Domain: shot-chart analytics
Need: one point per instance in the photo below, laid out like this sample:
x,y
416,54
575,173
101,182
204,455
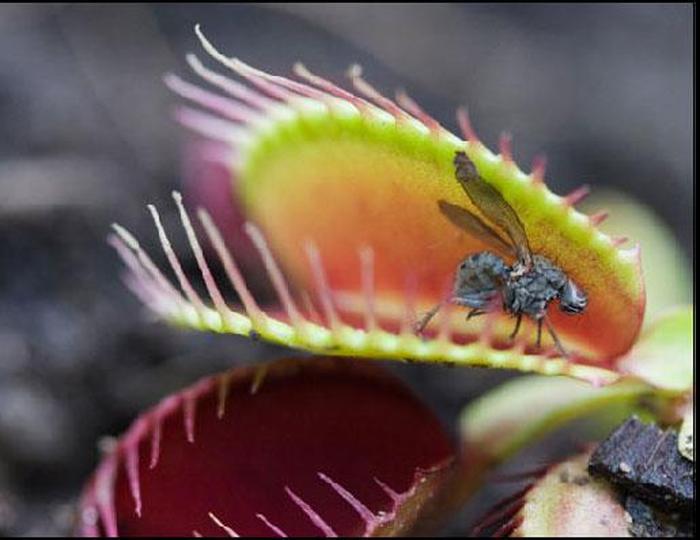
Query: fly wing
x,y
492,204
473,225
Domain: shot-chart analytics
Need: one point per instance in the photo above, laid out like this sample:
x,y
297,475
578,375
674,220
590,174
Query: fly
x,y
482,280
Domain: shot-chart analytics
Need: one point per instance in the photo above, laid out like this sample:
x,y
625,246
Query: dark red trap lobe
x,y
310,447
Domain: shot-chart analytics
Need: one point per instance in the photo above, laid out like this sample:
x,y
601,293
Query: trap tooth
x,y
104,497
360,104
408,307
505,146
312,313
158,280
189,415
407,103
175,265
235,89
223,384
283,82
598,218
218,153
89,517
155,441
398,498
228,108
131,463
323,290
360,508
227,529
443,319
538,169
231,268
210,127
274,528
465,125
258,379
239,67
137,280
366,256
275,275
633,253
577,195
371,93
617,241
313,516
211,286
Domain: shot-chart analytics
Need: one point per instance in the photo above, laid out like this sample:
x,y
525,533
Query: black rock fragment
x,y
648,522
645,462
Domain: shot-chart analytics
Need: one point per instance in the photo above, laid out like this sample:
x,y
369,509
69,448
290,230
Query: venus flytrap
x,y
340,191
267,451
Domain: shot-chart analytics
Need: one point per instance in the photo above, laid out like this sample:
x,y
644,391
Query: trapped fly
x,y
484,280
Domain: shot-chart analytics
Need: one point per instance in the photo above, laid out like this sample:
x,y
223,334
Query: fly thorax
x,y
518,270
531,292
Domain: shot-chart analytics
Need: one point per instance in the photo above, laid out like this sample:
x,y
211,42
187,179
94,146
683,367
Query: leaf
x,y
345,190
663,357
302,447
519,412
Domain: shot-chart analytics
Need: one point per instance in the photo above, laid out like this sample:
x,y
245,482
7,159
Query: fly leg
x,y
475,312
489,306
552,333
539,333
517,327
423,322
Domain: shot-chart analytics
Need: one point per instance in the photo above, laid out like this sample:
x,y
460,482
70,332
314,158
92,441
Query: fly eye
x,y
573,299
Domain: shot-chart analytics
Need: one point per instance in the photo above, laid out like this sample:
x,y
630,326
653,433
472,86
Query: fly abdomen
x,y
479,280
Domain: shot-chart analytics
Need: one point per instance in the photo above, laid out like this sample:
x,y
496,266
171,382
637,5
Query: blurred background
x,y
87,138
